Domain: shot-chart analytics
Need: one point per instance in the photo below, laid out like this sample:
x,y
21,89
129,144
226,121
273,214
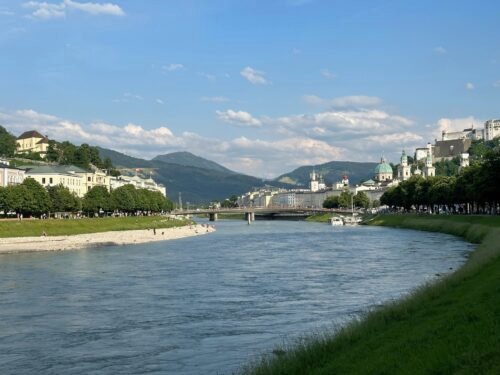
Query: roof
x,y
43,140
7,166
31,134
383,168
55,169
368,182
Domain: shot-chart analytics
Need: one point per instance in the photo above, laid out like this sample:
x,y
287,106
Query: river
x,y
207,304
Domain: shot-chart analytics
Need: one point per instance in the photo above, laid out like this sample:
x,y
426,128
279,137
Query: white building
x,y
10,175
404,170
138,182
429,169
491,129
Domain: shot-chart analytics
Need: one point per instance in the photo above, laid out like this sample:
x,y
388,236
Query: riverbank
x,y
57,235
64,227
451,326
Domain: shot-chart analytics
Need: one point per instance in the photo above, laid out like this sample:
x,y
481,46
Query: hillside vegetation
x,y
331,171
450,327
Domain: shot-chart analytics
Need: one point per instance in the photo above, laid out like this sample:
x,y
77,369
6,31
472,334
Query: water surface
x,y
207,304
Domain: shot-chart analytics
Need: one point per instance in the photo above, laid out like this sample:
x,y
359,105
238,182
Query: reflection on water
x,y
206,304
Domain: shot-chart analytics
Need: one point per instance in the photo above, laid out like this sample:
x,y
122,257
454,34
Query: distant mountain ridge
x,y
331,172
190,160
200,180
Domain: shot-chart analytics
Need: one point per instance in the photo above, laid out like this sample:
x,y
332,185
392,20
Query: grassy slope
x,y
26,228
320,218
449,327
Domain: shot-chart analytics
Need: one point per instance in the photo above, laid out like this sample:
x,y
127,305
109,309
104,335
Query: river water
x,y
203,305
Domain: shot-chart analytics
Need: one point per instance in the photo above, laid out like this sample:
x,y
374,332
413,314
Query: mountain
x,y
122,160
200,182
189,160
331,171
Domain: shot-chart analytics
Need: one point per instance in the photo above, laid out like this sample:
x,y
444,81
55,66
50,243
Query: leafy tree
x,y
124,199
96,199
361,200
345,199
36,199
7,143
62,200
331,202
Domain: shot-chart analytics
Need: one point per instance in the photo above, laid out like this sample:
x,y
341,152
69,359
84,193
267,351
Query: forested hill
x,y
331,171
190,160
199,180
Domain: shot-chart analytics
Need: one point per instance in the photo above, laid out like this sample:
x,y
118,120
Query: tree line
x,y
475,189
31,198
346,199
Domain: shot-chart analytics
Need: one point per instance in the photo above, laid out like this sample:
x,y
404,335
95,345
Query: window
x,y
88,179
50,180
43,180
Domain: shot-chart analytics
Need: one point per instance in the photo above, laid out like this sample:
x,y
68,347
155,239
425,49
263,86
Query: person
x,y
154,231
44,234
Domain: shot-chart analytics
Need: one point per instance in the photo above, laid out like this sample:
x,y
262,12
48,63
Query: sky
x,y
261,87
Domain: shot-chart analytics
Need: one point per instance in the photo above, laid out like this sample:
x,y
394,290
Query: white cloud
x,y
253,76
46,11
8,13
240,118
208,76
214,99
159,101
469,86
440,50
362,101
328,74
96,8
172,67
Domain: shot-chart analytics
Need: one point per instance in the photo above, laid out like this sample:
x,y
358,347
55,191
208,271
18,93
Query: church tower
x,y
404,170
429,170
314,183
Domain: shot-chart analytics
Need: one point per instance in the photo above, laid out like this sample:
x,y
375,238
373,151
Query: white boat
x,y
336,221
352,220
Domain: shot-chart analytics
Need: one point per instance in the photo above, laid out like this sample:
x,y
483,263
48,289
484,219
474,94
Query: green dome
x,y
383,168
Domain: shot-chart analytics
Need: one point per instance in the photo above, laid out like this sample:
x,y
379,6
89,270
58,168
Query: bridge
x,y
251,212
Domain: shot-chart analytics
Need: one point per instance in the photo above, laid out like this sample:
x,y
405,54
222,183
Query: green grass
x,y
450,327
320,218
59,227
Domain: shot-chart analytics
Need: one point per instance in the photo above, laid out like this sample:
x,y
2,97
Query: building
x,y
68,176
32,142
491,129
137,182
464,161
449,149
429,169
423,152
94,178
10,175
470,133
383,171
404,170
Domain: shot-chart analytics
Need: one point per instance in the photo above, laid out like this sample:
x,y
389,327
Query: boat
x,y
336,221
352,220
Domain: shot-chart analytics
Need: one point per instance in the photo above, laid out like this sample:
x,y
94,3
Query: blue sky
x,y
259,86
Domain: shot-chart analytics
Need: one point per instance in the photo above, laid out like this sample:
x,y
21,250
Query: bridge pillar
x,y
213,216
249,216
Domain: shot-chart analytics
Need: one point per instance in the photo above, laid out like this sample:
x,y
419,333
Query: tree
x,y
36,198
361,200
62,200
124,198
96,199
345,199
8,143
331,202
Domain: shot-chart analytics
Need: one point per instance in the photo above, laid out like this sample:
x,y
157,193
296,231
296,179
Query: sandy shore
x,y
79,241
